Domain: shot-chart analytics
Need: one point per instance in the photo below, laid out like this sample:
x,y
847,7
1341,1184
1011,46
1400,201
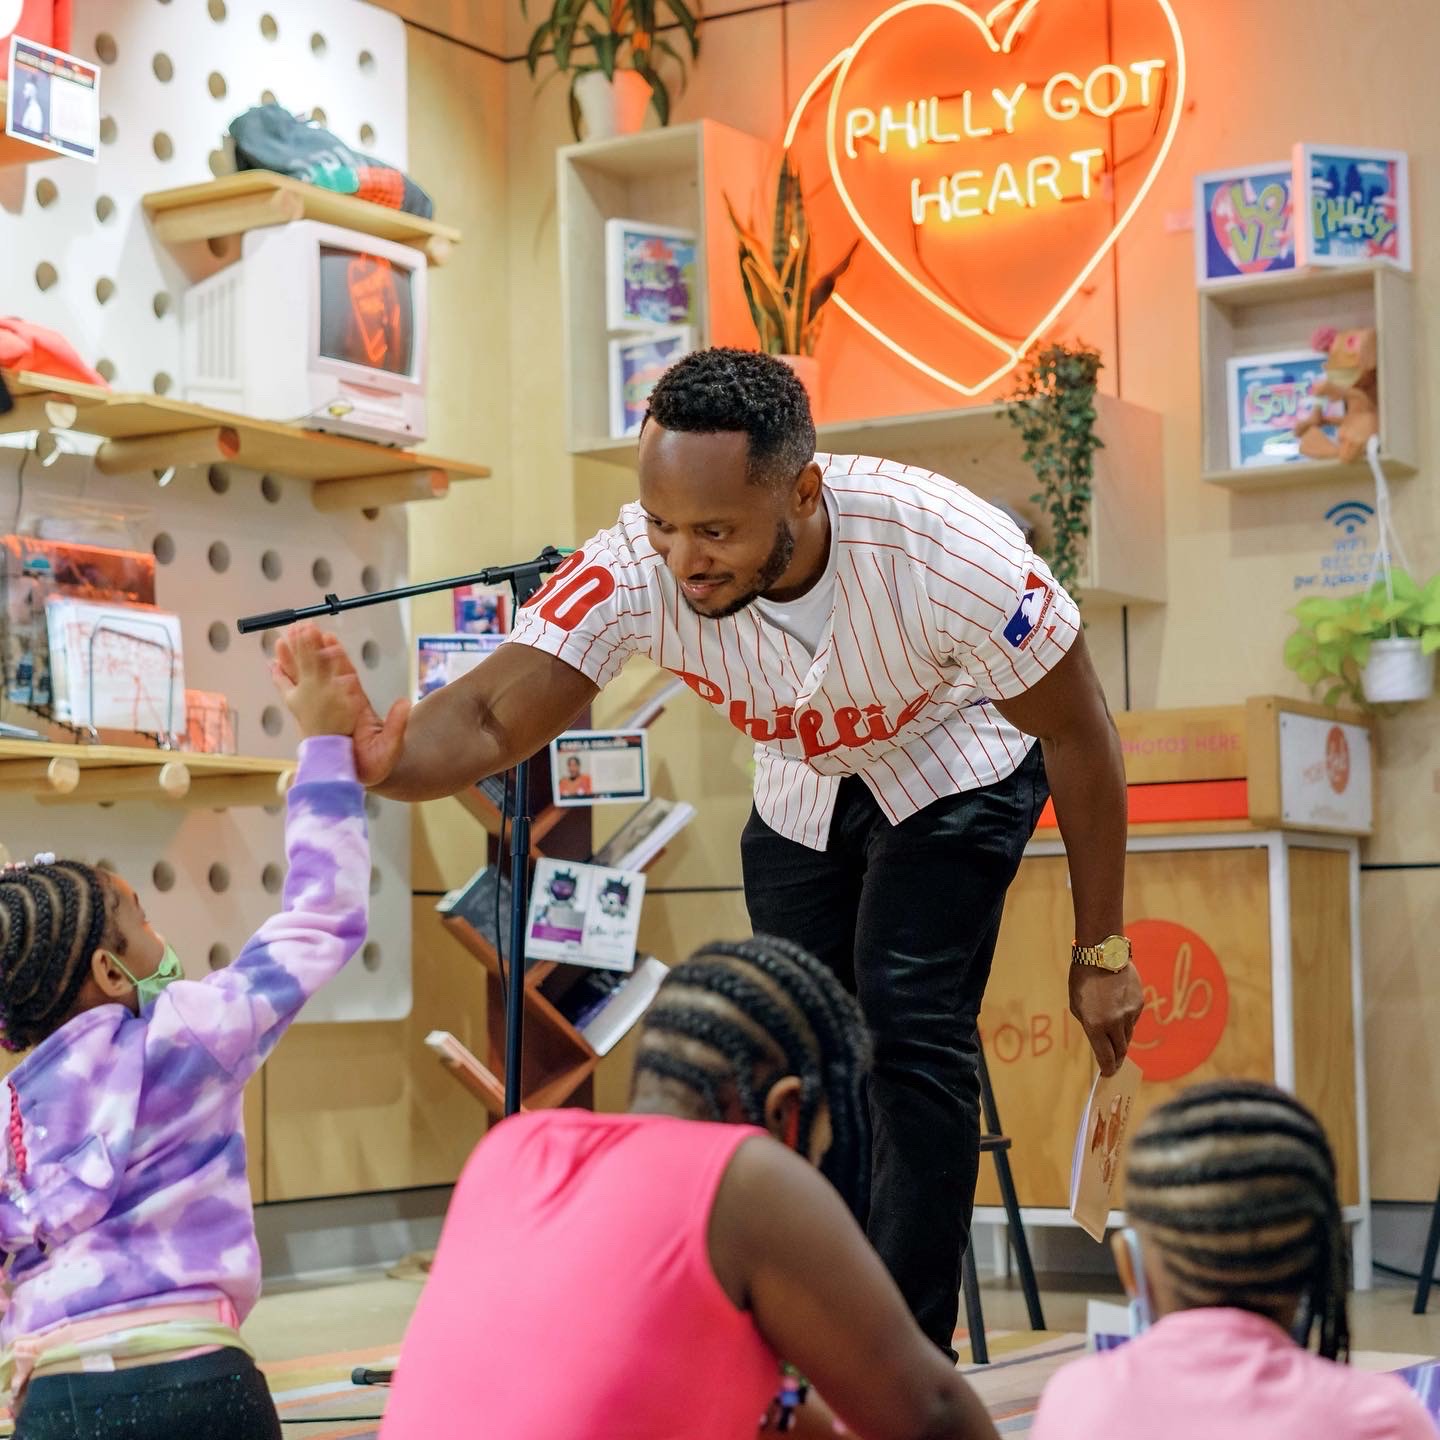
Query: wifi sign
x,y
1349,515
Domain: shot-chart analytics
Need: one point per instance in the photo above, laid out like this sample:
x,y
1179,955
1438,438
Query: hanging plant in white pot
x,y
611,51
1377,647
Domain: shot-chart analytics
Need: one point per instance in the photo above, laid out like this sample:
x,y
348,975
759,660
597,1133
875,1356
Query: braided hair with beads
x,y
53,917
735,1018
1233,1183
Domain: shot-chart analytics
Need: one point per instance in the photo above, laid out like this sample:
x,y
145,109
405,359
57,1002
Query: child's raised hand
x,y
318,683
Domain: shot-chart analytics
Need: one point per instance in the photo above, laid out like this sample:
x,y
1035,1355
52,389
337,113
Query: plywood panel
x,y
1324,1017
353,1108
1400,921
1040,1062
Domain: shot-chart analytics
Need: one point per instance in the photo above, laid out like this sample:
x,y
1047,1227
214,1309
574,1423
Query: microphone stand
x,y
524,580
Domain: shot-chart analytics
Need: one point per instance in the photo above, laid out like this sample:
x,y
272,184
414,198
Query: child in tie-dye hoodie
x,y
125,1222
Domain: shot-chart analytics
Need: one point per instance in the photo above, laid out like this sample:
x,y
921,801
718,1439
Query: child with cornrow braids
x,y
648,1275
126,1229
1238,1253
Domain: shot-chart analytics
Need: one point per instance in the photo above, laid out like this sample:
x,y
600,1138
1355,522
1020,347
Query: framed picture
x,y
54,99
1352,205
1267,395
1244,223
599,767
650,275
636,365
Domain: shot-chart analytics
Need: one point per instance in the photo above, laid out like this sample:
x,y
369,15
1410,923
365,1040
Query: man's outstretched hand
x,y
377,742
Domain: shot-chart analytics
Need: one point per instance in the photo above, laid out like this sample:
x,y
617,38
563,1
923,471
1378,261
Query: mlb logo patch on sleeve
x,y
1029,614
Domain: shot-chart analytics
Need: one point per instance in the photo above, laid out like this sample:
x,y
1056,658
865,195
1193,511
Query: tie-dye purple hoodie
x,y
136,1191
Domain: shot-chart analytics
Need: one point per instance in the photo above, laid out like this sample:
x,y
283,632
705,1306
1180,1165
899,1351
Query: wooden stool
x,y
993,1142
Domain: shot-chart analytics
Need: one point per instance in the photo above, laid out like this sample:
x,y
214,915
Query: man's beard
x,y
777,562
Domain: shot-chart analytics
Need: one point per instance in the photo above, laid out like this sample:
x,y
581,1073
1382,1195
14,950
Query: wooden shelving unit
x,y
59,774
153,432
253,199
680,176
981,449
13,150
1281,312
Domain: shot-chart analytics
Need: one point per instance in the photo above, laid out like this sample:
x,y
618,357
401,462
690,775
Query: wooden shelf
x,y
1294,284
62,774
1307,472
13,150
1282,312
679,176
145,432
253,199
979,448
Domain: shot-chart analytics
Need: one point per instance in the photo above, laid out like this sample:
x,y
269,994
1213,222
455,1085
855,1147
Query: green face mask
x,y
167,972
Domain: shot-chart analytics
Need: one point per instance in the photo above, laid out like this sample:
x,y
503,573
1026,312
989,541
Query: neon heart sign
x,y
989,162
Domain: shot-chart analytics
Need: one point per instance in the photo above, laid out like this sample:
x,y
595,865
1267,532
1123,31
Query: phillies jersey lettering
x,y
939,608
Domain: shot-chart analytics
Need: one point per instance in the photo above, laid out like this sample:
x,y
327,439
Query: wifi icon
x,y
1349,515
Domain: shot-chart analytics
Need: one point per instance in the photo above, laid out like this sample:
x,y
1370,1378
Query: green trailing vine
x,y
1053,407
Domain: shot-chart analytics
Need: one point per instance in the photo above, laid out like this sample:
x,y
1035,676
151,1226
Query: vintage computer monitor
x,y
314,325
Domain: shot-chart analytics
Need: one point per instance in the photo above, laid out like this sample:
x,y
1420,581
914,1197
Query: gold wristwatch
x,y
1112,953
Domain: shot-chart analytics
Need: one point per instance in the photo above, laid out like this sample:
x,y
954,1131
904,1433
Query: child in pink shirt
x,y
1238,1253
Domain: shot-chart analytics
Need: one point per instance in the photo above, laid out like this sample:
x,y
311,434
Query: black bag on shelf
x,y
269,137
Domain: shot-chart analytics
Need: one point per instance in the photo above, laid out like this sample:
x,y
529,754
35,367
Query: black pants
x,y
220,1396
907,916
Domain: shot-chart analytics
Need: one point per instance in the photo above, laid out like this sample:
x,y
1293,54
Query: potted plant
x,y
1376,647
786,307
610,92
1053,407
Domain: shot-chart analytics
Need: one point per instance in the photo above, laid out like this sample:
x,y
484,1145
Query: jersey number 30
x,y
572,592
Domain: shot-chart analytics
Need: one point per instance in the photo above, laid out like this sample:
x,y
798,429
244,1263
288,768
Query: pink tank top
x,y
572,1292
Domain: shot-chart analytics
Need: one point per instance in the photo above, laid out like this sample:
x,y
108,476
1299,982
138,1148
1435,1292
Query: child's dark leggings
x,y
219,1396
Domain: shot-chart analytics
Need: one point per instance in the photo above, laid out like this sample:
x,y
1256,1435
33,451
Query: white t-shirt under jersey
x,y
938,607
804,618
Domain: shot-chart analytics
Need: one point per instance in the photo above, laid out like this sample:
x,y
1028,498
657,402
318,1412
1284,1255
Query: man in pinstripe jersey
x,y
895,650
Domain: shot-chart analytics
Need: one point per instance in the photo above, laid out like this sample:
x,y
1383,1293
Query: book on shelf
x,y
645,834
474,903
443,658
604,1005
584,914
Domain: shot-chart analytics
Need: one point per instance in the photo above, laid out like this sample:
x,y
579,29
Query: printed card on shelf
x,y
636,365
584,915
1353,205
54,99
598,767
1244,223
1267,394
650,275
1100,1146
443,658
116,667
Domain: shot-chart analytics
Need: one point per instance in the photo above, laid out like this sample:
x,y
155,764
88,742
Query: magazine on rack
x,y
584,914
645,834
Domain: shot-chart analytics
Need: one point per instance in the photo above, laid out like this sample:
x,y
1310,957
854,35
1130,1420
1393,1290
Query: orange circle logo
x,y
1187,1001
1337,759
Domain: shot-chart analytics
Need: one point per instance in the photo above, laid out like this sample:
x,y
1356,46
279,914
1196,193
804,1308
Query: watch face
x,y
1115,952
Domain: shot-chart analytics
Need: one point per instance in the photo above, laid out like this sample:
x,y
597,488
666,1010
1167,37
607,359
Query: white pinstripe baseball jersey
x,y
939,607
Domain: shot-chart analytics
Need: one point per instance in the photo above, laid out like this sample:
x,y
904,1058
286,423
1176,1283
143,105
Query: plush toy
x,y
1349,378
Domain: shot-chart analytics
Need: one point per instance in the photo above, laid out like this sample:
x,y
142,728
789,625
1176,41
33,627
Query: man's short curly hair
x,y
720,390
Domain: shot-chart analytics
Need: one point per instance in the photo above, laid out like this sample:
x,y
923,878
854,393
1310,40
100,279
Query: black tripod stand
x,y
524,580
